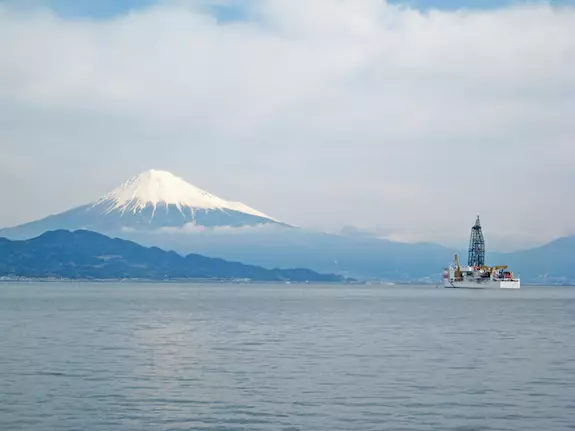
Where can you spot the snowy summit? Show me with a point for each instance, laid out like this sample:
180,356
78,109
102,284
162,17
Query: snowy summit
149,202
162,188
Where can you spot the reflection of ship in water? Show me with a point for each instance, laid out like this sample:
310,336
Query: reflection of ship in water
476,275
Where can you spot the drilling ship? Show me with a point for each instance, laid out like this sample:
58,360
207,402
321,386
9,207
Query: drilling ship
477,275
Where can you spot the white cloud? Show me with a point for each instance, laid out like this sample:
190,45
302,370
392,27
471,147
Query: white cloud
322,113
193,229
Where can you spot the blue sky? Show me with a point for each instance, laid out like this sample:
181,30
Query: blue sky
110,8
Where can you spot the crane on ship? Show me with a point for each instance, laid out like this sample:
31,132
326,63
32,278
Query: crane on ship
476,255
478,275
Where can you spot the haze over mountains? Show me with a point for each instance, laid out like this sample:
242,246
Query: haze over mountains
90,255
157,208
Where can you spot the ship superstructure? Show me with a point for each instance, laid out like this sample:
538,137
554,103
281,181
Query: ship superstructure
477,275
476,254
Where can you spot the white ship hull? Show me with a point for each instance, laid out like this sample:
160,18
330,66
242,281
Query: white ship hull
487,284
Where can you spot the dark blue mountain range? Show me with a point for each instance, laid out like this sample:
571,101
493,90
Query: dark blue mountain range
90,255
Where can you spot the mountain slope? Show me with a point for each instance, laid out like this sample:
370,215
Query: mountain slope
362,257
158,189
369,258
552,263
89,255
149,201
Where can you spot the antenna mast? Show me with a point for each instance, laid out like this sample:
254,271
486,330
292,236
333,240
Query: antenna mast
476,246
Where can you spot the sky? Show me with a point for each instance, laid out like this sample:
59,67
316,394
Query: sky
405,119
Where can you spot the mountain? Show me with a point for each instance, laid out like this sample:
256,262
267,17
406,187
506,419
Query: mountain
157,208
355,257
149,201
552,263
90,255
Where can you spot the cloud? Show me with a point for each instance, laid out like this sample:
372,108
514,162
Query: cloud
323,113
194,229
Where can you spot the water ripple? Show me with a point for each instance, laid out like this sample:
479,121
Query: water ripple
153,357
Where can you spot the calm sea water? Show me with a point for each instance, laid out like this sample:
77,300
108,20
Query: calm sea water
210,357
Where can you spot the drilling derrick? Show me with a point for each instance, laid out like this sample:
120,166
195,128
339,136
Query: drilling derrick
476,246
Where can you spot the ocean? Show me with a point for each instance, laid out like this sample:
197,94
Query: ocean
101,357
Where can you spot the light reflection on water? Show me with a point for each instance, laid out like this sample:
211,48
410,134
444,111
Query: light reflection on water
213,357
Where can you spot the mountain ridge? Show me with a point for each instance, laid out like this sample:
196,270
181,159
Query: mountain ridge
85,254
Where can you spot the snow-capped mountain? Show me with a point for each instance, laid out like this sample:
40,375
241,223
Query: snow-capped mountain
157,208
149,201
156,189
